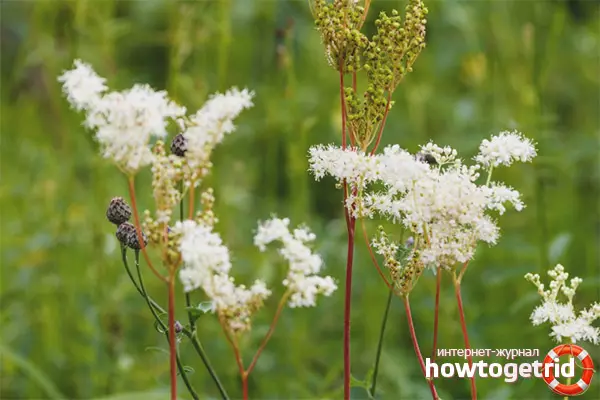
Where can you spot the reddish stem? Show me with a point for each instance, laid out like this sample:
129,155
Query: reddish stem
382,125
138,230
347,306
436,313
362,222
172,339
413,336
463,325
269,333
350,224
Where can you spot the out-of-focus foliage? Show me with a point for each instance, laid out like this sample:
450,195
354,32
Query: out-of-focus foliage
73,325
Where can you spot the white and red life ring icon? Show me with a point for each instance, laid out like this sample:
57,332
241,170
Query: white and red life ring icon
582,384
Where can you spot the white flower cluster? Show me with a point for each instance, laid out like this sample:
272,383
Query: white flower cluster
124,121
212,122
207,265
504,149
302,280
440,203
565,322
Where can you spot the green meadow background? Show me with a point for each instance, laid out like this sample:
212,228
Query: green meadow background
72,325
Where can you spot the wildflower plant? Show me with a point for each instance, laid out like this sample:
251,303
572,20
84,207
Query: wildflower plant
558,310
440,207
132,127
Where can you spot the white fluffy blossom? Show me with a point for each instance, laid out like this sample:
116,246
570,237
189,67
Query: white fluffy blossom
213,121
82,86
433,194
124,121
206,265
302,280
566,323
504,149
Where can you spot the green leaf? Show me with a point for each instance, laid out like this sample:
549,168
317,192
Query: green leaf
196,312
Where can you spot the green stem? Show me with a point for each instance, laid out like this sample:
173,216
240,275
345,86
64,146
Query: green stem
380,344
192,333
489,178
209,368
143,294
163,327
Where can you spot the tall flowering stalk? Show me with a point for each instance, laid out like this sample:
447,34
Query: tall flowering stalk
433,195
383,60
131,127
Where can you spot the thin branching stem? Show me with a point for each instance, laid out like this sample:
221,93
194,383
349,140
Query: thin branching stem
267,337
153,308
192,333
436,312
413,336
463,326
373,259
380,343
138,230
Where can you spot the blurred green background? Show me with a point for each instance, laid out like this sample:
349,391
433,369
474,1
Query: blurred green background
74,327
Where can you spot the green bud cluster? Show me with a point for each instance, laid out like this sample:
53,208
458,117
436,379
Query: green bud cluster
339,23
386,58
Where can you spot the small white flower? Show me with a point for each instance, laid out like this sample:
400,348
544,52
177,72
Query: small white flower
565,321
302,280
212,122
82,85
504,149
125,121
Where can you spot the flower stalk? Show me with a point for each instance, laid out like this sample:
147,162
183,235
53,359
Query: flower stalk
463,326
415,342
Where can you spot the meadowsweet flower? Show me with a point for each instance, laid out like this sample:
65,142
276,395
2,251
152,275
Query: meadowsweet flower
212,122
432,193
82,86
302,280
504,149
124,121
343,164
566,323
206,265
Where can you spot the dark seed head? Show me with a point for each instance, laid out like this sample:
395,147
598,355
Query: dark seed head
123,232
133,242
179,145
118,211
127,235
426,157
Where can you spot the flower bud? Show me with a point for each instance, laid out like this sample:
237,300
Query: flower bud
133,242
179,145
118,211
178,327
123,232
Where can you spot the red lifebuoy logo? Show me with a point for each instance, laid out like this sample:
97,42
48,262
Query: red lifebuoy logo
549,365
